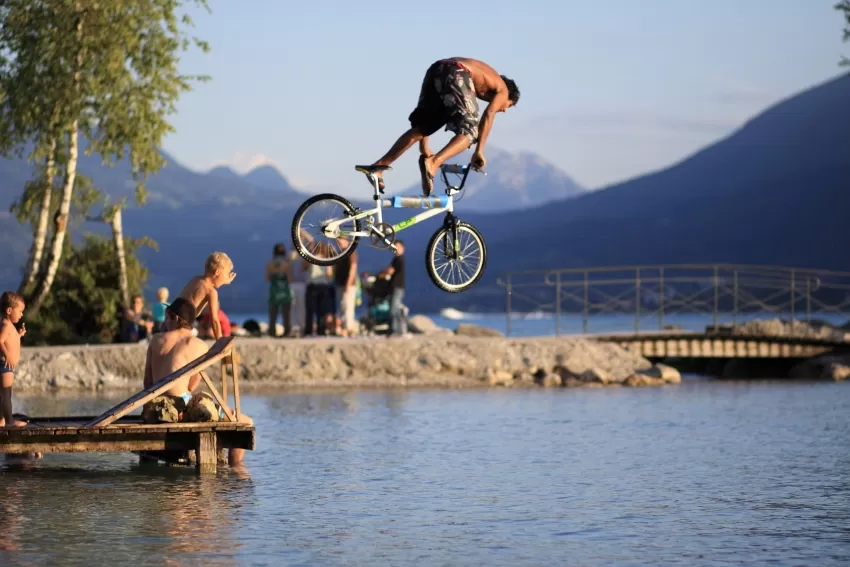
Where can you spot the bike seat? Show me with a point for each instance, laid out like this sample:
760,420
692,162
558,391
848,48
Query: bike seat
371,168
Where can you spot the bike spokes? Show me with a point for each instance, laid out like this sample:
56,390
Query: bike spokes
323,229
454,268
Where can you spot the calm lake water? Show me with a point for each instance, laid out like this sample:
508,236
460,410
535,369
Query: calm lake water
704,473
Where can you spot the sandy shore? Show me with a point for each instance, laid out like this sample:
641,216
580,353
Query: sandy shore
441,360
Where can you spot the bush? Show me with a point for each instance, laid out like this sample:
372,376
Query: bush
85,305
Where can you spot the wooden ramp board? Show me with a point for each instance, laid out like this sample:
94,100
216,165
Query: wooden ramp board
219,350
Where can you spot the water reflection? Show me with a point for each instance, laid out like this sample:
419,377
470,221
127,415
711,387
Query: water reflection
84,516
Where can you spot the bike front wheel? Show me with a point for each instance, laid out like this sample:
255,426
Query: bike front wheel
455,268
322,229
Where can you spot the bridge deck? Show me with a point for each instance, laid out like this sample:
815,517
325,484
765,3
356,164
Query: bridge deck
659,345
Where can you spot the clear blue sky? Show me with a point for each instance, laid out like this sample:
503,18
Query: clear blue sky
610,89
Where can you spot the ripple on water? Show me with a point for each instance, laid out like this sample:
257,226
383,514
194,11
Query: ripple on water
699,474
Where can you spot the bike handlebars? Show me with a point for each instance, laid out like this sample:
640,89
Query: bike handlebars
459,169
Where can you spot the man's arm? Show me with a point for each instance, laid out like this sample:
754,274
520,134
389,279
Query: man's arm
499,99
389,270
215,323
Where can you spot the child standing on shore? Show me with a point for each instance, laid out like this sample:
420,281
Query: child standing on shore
158,310
202,291
11,311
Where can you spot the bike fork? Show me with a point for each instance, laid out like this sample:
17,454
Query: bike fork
451,244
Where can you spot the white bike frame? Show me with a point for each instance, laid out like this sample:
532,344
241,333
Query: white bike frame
434,204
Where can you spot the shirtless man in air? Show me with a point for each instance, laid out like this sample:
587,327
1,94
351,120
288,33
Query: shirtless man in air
173,349
449,97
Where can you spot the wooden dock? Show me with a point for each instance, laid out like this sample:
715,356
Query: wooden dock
115,430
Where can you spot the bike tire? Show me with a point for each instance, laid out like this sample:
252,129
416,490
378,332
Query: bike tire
431,251
303,251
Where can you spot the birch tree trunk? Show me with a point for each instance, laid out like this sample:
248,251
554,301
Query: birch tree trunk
60,223
118,237
40,236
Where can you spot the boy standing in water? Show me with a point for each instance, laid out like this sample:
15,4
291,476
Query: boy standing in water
203,290
11,311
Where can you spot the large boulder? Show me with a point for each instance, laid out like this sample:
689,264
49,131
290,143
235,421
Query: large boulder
469,330
836,368
422,325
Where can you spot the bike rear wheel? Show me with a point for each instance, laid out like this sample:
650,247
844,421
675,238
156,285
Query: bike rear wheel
456,274
325,245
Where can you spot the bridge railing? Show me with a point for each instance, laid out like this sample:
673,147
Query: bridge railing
690,297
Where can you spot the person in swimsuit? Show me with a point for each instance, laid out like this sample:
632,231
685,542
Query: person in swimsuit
448,98
11,312
279,274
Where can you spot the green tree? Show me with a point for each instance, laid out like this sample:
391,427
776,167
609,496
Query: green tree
85,305
844,6
104,70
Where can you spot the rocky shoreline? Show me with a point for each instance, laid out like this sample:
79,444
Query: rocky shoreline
433,360
469,357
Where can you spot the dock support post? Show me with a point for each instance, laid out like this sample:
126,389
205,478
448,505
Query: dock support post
206,453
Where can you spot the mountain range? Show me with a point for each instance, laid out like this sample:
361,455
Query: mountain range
775,191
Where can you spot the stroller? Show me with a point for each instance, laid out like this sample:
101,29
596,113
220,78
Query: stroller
378,294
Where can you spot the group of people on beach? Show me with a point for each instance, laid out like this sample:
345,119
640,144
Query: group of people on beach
322,300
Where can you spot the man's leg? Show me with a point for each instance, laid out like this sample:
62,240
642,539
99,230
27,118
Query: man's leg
299,298
421,120
456,85
348,299
287,319
312,299
235,456
272,319
401,145
455,146
396,316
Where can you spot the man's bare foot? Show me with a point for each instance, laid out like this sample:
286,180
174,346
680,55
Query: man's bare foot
15,423
426,165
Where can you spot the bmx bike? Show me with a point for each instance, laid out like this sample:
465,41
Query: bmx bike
455,256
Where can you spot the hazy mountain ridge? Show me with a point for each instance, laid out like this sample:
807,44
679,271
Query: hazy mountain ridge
776,191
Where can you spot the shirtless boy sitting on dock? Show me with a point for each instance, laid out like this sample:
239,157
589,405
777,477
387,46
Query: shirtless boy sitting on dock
11,311
203,290
173,349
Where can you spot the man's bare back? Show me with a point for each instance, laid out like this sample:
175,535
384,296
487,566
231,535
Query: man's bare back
198,292
170,351
487,80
